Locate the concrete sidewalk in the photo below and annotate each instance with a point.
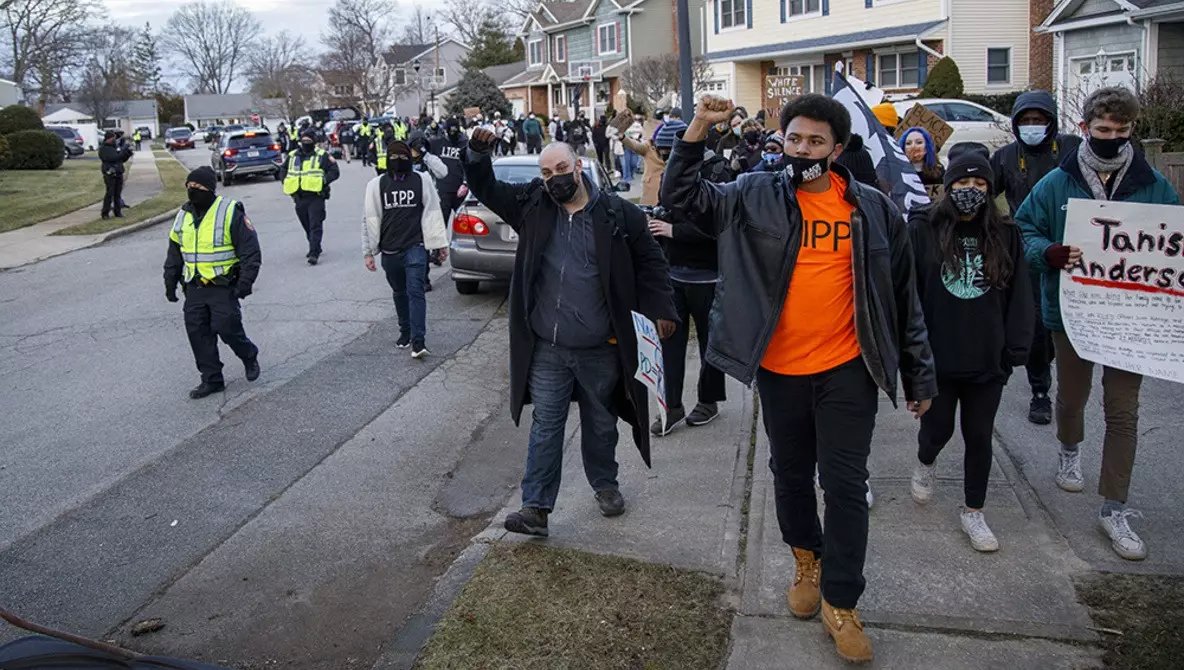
(38, 242)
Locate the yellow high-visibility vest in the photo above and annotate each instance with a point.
(294, 134)
(380, 150)
(400, 131)
(305, 175)
(207, 249)
(136, 136)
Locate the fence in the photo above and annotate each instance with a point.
(1170, 164)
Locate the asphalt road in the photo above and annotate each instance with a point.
(115, 486)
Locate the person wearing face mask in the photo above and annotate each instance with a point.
(972, 280)
(1036, 151)
(1106, 166)
(306, 175)
(732, 137)
(214, 256)
(631, 161)
(800, 309)
(585, 262)
(772, 155)
(918, 146)
(654, 153)
(746, 155)
(533, 130)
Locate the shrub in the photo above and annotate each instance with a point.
(5, 154)
(1161, 116)
(944, 80)
(19, 117)
(1000, 102)
(36, 150)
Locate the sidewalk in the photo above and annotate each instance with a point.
(37, 242)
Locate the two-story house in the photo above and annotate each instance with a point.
(893, 43)
(577, 50)
(413, 78)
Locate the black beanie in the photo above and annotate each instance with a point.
(204, 175)
(969, 163)
(856, 158)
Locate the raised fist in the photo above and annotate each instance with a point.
(714, 109)
(483, 141)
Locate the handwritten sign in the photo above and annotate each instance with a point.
(650, 370)
(1123, 303)
(920, 117)
(622, 121)
(780, 89)
(471, 112)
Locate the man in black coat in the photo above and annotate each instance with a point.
(113, 156)
(585, 262)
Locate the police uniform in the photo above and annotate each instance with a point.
(382, 136)
(363, 142)
(306, 177)
(214, 255)
(136, 138)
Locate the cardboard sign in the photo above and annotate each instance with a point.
(471, 112)
(622, 121)
(780, 89)
(919, 117)
(1123, 303)
(620, 101)
(650, 364)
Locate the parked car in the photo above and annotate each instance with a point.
(145, 132)
(178, 138)
(483, 246)
(971, 121)
(246, 153)
(75, 146)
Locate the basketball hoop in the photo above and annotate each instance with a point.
(587, 78)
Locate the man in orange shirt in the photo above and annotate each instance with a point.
(825, 312)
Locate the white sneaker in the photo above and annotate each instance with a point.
(1126, 542)
(871, 500)
(981, 537)
(923, 477)
(1069, 473)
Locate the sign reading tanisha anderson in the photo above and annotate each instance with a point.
(1123, 303)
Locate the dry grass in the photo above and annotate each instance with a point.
(1148, 609)
(33, 196)
(171, 196)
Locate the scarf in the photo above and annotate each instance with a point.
(1091, 165)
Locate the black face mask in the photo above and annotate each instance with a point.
(562, 187)
(752, 137)
(400, 165)
(800, 169)
(306, 147)
(201, 200)
(1107, 148)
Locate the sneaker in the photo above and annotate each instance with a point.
(981, 537)
(528, 521)
(612, 503)
(206, 389)
(703, 414)
(1040, 409)
(312, 259)
(1069, 474)
(804, 595)
(922, 488)
(404, 341)
(675, 416)
(1126, 543)
(419, 351)
(844, 627)
(871, 500)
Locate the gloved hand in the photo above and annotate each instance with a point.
(242, 291)
(170, 293)
(420, 144)
(483, 141)
(1057, 256)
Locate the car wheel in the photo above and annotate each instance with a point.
(467, 287)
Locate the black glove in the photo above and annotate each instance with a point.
(170, 293)
(1057, 256)
(242, 291)
(483, 141)
(421, 145)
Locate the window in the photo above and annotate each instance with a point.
(812, 76)
(400, 77)
(606, 38)
(536, 52)
(802, 7)
(439, 77)
(960, 111)
(899, 70)
(560, 48)
(999, 65)
(557, 96)
(731, 13)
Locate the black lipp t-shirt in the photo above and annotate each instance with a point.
(402, 212)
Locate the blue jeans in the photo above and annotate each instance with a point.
(630, 163)
(405, 273)
(555, 373)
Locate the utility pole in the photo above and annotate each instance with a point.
(686, 86)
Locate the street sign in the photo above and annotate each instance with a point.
(780, 89)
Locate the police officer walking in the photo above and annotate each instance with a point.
(113, 156)
(214, 255)
(306, 174)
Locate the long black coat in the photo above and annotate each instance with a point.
(633, 275)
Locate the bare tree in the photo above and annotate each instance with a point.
(210, 41)
(465, 17)
(109, 73)
(657, 77)
(280, 67)
(43, 38)
(355, 41)
(419, 28)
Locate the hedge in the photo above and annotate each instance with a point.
(36, 150)
(1000, 102)
(944, 80)
(5, 154)
(19, 117)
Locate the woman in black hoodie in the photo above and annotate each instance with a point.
(973, 283)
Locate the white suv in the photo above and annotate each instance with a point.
(971, 121)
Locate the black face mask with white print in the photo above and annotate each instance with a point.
(800, 169)
(969, 200)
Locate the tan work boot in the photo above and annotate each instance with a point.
(851, 643)
(803, 595)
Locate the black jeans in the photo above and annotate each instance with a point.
(980, 403)
(1040, 357)
(310, 209)
(113, 197)
(534, 144)
(692, 301)
(823, 420)
(212, 312)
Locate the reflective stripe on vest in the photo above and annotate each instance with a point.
(307, 176)
(207, 249)
(380, 150)
(293, 134)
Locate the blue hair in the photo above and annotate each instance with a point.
(930, 149)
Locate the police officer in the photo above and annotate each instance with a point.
(113, 155)
(214, 255)
(382, 136)
(363, 140)
(136, 138)
(306, 174)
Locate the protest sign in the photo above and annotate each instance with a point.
(919, 117)
(780, 89)
(471, 112)
(622, 121)
(650, 370)
(1123, 303)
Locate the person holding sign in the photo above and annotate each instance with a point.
(1105, 167)
(973, 283)
(816, 301)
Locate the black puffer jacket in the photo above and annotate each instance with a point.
(758, 223)
(1019, 166)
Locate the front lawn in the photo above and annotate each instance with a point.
(33, 196)
(172, 195)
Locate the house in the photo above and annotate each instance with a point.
(577, 51)
(500, 74)
(10, 93)
(126, 115)
(1100, 43)
(415, 78)
(213, 109)
(894, 43)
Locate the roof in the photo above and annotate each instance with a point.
(502, 73)
(564, 11)
(132, 109)
(230, 105)
(1062, 16)
(1148, 4)
(401, 53)
(861, 38)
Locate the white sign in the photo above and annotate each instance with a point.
(650, 366)
(1123, 303)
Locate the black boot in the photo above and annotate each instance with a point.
(205, 389)
(1040, 410)
(252, 368)
(528, 521)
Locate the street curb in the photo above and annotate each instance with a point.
(135, 227)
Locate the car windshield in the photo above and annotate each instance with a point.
(178, 132)
(521, 174)
(250, 141)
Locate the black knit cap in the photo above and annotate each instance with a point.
(856, 158)
(204, 175)
(969, 159)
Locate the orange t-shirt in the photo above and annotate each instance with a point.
(816, 331)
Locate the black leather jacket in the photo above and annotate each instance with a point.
(758, 223)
